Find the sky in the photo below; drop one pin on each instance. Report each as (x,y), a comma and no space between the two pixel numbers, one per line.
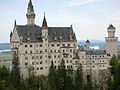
(90,18)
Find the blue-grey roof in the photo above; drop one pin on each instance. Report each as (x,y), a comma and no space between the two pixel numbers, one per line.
(34,32)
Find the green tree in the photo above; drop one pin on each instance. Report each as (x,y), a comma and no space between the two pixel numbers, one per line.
(61,76)
(52,77)
(113,63)
(69,79)
(79,78)
(15,72)
(117,78)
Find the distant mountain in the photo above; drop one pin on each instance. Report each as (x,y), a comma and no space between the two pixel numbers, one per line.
(5,46)
(93,43)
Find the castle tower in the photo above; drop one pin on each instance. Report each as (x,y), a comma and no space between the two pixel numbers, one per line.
(87,45)
(111,41)
(45,42)
(30,14)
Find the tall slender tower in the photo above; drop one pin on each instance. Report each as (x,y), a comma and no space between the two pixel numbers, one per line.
(111,41)
(30,14)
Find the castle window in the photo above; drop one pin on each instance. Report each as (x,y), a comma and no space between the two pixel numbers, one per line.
(49,56)
(58,50)
(30,51)
(52,45)
(26,58)
(45,50)
(33,63)
(25,45)
(40,45)
(76,62)
(63,50)
(58,44)
(55,67)
(55,56)
(25,52)
(71,56)
(70,61)
(26,64)
(32,57)
(51,51)
(46,61)
(40,57)
(58,56)
(30,45)
(40,62)
(67,61)
(70,50)
(40,51)
(37,68)
(54,50)
(68,45)
(41,68)
(46,39)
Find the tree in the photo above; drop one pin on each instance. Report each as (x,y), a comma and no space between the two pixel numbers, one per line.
(117,78)
(52,77)
(61,76)
(113,63)
(69,79)
(15,72)
(79,78)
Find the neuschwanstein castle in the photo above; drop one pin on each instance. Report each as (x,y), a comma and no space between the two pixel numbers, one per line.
(37,46)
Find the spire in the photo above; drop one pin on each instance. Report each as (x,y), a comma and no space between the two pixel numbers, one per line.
(15,23)
(111,27)
(30,6)
(44,24)
(87,41)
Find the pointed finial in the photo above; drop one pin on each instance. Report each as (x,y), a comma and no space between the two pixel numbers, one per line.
(30,6)
(15,23)
(44,14)
(71,25)
(44,24)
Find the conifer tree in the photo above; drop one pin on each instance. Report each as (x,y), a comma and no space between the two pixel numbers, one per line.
(52,77)
(113,63)
(15,72)
(61,76)
(79,78)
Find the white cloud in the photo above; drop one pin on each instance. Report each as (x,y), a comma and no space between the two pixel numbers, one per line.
(77,3)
